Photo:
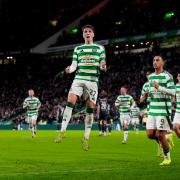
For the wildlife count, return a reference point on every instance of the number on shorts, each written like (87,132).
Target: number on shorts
(161,123)
(92,93)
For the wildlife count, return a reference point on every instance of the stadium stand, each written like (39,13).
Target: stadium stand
(124,18)
(40,73)
(26,23)
(29,24)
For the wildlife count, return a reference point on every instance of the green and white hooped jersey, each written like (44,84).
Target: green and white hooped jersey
(124,103)
(33,103)
(160,102)
(135,112)
(145,89)
(178,98)
(88,58)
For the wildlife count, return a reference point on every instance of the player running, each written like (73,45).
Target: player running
(135,112)
(124,102)
(32,105)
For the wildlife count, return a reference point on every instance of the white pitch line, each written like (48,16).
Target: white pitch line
(52,172)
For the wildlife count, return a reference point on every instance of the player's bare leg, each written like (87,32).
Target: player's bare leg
(125,127)
(32,126)
(169,137)
(176,128)
(151,133)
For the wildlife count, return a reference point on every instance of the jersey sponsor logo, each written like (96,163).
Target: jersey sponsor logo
(88,60)
(88,56)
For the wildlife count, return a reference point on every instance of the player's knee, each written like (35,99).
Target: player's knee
(72,98)
(160,135)
(175,128)
(90,104)
(177,131)
(150,135)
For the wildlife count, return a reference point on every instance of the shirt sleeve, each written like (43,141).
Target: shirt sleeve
(24,103)
(73,66)
(144,89)
(102,54)
(170,88)
(117,102)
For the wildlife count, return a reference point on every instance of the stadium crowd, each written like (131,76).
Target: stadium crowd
(128,18)
(25,24)
(42,74)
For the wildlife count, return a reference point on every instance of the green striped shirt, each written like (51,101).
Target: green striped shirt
(178,98)
(88,58)
(160,102)
(33,105)
(124,103)
(144,90)
(135,112)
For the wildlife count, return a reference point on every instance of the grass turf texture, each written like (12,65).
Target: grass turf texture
(22,157)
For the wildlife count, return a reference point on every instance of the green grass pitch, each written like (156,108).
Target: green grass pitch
(22,157)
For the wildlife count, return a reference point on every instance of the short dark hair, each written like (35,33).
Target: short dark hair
(159,55)
(88,26)
(124,86)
